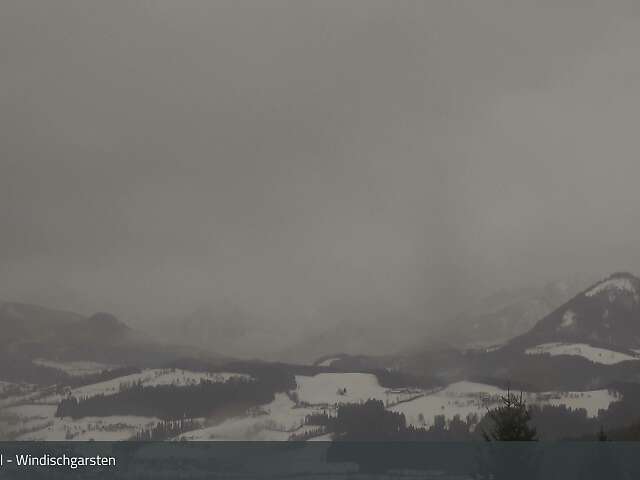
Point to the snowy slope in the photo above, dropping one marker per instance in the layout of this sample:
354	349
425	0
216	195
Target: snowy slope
31	416
112	428
328	362
275	421
614	286
468	398
607	313
593	354
281	418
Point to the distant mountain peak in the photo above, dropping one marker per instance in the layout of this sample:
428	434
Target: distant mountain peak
106	325
616	285
607	313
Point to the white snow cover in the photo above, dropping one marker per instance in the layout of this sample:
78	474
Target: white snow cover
25	418
275	421
328	362
281	418
493	348
324	388
591	401
32	416
334	388
568	319
614	285
593	354
468	398
112	428
322	438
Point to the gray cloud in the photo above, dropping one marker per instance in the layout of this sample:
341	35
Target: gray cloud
395	157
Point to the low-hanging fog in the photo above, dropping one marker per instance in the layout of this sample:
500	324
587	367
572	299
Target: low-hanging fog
314	162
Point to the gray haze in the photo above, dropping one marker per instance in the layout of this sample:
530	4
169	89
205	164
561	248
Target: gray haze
305	160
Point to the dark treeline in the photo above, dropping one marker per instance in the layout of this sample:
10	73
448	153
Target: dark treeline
368	420
279	377
282	375
396	379
618	422
388	378
166	430
533	373
630	433
558	422
170	402
545	372
372	421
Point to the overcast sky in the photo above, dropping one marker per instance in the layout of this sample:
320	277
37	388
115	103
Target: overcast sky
299	157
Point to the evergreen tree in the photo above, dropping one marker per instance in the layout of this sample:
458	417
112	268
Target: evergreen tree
510	421
602	437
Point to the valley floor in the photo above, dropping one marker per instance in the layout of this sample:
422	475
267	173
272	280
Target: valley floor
28	413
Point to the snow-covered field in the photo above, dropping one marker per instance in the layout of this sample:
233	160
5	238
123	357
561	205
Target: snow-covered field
332	388
274	421
279	419
316	394
591	401
31	416
468	398
77	369
329	389
593	354
25	418
38	423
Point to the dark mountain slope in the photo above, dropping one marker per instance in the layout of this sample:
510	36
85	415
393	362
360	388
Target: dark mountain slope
606	314
587	343
23	322
31	332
